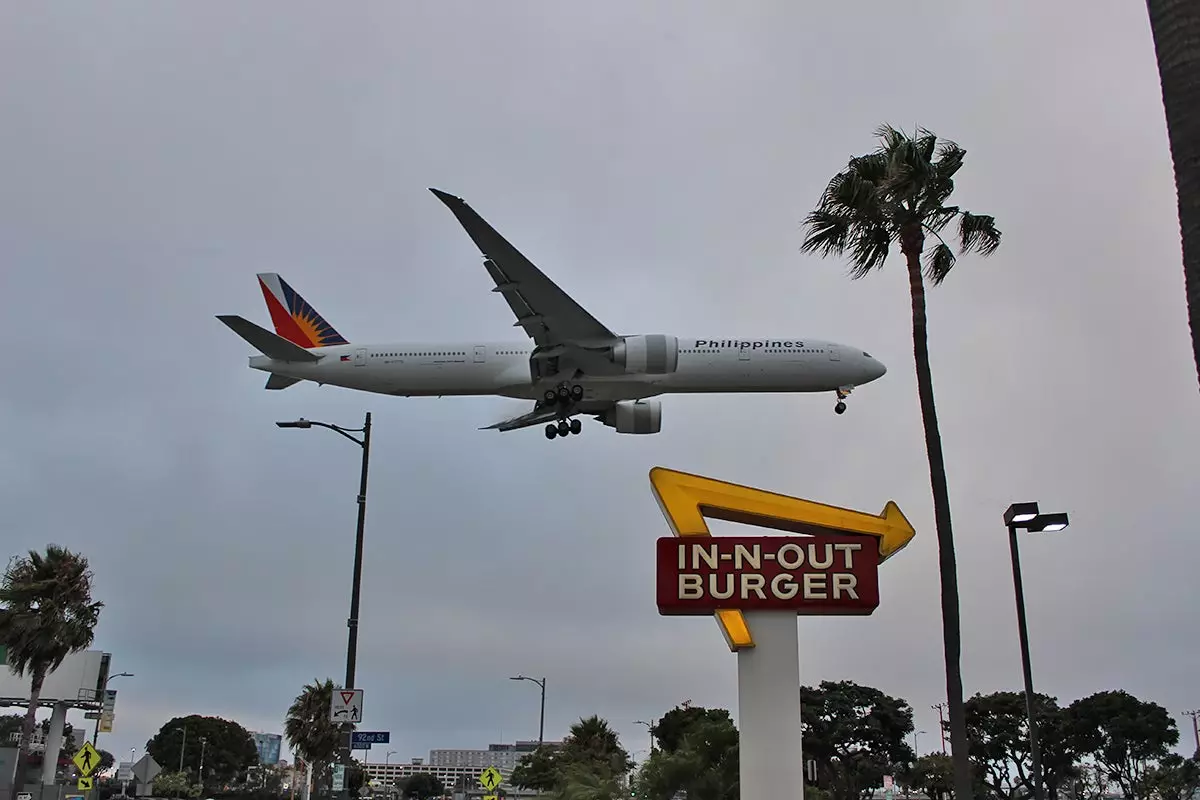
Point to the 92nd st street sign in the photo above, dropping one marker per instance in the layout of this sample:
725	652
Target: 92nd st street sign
808	575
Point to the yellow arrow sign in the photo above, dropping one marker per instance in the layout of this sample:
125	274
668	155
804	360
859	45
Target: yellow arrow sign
85	784
687	500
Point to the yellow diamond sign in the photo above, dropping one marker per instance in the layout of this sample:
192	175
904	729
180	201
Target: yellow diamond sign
87	759
687	500
490	778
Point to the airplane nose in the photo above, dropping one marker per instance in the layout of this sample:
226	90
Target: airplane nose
875	369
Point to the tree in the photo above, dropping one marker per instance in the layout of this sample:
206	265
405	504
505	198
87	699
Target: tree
1173	778
998	730
856	734
591	748
47	614
421	786
1175	25
933	774
1124	735
899	194
697	754
175	784
227	747
106	761
310	732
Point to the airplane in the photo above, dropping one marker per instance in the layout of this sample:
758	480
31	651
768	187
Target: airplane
573	365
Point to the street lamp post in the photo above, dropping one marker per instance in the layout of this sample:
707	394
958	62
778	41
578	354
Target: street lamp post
916	752
542	718
1195	728
649	729
1027	517
355	591
96	732
200	772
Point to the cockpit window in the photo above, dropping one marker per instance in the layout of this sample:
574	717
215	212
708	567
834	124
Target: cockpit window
865	353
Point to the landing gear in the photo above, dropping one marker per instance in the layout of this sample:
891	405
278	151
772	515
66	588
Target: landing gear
563	428
577	392
842	394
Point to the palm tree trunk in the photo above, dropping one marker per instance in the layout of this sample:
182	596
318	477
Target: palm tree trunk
912	243
37	678
1175	25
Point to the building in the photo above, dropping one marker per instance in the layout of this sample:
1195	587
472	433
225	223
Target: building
454	767
269	746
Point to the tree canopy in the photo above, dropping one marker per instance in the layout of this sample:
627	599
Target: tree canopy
228	749
421	786
590	764
309	731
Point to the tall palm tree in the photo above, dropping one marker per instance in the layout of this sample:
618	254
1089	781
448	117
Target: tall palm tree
898	195
1175	25
592	743
47	614
310	732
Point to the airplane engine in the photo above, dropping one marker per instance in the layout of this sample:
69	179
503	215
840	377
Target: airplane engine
655	354
635	416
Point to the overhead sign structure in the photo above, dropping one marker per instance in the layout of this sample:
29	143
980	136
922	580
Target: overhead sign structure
87	760
756	586
362	740
85	784
346	706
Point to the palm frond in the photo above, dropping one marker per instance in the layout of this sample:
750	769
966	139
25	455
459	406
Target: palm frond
978	233
828	233
938	263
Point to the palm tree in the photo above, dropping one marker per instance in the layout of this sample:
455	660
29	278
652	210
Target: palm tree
310	732
47	614
1175	25
593	744
898	195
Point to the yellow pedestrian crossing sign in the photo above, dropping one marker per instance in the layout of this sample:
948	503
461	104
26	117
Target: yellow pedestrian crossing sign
85	784
87	759
490	778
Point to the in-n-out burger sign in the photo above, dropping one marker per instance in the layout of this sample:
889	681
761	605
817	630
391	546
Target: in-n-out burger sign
817	574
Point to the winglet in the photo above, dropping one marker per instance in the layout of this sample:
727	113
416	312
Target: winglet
446	197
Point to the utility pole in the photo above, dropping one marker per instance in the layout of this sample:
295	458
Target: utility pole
941	709
1195	726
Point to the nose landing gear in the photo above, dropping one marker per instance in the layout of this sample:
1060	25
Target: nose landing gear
842	393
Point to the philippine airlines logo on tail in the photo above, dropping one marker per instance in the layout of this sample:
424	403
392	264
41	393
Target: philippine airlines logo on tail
294	319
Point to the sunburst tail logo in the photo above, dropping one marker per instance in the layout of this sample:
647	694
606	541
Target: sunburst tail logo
293	317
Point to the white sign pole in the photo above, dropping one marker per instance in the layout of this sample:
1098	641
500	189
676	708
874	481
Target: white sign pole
772	765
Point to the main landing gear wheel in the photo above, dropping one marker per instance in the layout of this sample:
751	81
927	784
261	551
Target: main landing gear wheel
576	426
840	408
551	431
564	428
576	392
564	393
551	396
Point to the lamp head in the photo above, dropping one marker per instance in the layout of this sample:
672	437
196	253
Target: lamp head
300	423
1019	513
1048	523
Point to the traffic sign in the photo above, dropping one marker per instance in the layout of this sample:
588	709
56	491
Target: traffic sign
85	784
490	778
339	775
346	706
87	759
146	769
24	795
125	771
370	737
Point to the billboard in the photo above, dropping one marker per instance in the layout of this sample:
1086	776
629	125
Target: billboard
269	745
80	679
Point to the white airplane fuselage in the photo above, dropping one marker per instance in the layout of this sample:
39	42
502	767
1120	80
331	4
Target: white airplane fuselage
759	365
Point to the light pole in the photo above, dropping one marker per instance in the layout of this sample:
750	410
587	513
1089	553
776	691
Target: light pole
200	772
941	709
916	752
1195	727
355	591
1027	517
387	758
542	718
649	729
96	732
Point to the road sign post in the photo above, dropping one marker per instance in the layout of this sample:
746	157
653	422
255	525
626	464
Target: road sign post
756	586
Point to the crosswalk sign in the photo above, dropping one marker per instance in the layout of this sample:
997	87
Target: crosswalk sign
490	778
85	784
87	759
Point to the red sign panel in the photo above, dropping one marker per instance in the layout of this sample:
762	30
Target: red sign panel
806	574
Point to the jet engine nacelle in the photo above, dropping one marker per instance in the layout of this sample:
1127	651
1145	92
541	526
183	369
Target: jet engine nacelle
635	416
655	354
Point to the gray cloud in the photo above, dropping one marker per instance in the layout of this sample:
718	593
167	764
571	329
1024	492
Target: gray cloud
155	157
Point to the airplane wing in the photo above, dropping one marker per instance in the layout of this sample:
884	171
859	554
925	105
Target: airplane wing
546	312
547	413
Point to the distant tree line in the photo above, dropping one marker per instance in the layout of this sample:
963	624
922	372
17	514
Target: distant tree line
1109	742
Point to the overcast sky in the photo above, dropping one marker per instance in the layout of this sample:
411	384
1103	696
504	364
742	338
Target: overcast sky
655	160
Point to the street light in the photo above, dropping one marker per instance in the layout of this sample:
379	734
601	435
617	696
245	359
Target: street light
96	732
542	719
388	757
649	729
916	752
1027	517
355	592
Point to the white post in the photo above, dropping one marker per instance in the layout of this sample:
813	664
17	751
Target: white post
772	765
54	742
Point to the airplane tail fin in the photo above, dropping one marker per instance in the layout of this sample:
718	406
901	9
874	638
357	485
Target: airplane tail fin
265	342
294	319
